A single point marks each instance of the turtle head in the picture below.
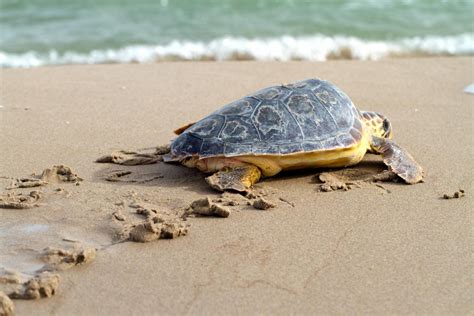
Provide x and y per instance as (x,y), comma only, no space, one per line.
(377,124)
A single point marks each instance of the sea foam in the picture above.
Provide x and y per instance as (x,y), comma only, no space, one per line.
(284,48)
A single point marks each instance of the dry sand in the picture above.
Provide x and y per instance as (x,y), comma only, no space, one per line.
(390,248)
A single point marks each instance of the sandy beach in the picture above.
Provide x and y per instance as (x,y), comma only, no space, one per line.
(378,249)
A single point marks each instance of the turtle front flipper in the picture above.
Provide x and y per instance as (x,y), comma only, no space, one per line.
(398,159)
(239,178)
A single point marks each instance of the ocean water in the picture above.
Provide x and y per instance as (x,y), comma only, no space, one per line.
(48,32)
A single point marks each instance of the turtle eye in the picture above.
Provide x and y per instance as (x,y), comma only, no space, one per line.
(387,127)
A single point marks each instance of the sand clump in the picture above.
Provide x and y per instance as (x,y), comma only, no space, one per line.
(173,230)
(144,232)
(15,200)
(333,182)
(346,179)
(456,195)
(217,207)
(151,230)
(59,173)
(7,308)
(42,285)
(258,200)
(148,213)
(262,204)
(59,259)
(168,225)
(155,226)
(206,207)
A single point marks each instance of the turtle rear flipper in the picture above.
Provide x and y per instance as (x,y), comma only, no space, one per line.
(398,160)
(238,179)
(180,130)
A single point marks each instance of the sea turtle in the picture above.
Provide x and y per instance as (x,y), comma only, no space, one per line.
(307,124)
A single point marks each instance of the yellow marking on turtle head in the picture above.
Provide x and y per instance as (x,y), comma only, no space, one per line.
(377,124)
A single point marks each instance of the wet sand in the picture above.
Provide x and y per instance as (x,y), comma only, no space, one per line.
(387,248)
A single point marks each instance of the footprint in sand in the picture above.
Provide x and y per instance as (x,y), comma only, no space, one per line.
(42,282)
(19,200)
(60,259)
(45,281)
(130,177)
(56,174)
(133,158)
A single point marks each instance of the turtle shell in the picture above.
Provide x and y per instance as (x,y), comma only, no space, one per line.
(307,116)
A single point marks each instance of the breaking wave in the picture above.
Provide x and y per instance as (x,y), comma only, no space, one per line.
(285,48)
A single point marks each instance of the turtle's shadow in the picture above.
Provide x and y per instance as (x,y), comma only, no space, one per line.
(154,175)
(371,164)
(175,175)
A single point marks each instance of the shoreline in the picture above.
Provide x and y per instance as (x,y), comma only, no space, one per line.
(316,48)
(341,56)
